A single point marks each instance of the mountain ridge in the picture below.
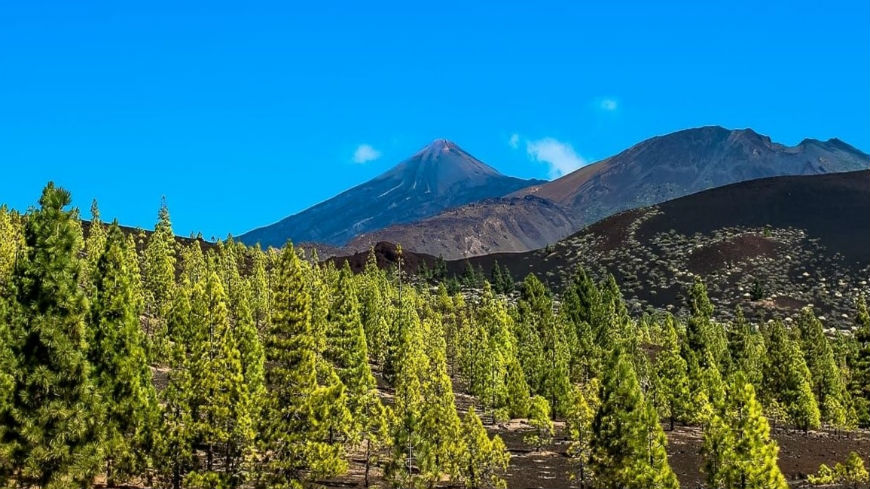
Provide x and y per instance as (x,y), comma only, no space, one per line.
(439,176)
(655,170)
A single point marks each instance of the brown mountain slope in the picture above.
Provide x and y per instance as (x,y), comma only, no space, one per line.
(801,239)
(653,171)
(494,225)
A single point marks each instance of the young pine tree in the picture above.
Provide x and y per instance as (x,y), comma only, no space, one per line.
(412,373)
(53,434)
(484,460)
(628,444)
(706,338)
(94,247)
(117,353)
(860,364)
(578,422)
(673,376)
(440,447)
(788,380)
(539,420)
(828,384)
(738,450)
(748,350)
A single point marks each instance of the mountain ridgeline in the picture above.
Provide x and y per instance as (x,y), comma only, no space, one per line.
(438,177)
(651,172)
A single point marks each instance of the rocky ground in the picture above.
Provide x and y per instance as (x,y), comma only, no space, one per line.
(550,468)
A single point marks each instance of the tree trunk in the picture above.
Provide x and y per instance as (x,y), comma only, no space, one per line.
(368,459)
(110,477)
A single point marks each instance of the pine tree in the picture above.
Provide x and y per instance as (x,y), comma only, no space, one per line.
(177,433)
(493,356)
(345,340)
(94,246)
(748,350)
(532,309)
(158,280)
(373,310)
(517,391)
(672,373)
(349,353)
(628,444)
(579,425)
(11,244)
(556,383)
(484,459)
(375,423)
(440,449)
(260,290)
(223,424)
(828,384)
(53,427)
(853,471)
(581,306)
(539,420)
(737,446)
(7,384)
(544,348)
(702,333)
(787,379)
(117,353)
(860,364)
(294,435)
(251,352)
(412,371)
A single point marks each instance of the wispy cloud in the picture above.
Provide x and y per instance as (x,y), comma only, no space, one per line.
(514,141)
(608,104)
(560,157)
(365,153)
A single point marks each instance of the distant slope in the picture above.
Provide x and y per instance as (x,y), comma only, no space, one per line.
(438,177)
(493,225)
(653,171)
(804,239)
(684,162)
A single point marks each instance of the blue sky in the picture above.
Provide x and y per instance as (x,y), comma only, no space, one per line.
(241,113)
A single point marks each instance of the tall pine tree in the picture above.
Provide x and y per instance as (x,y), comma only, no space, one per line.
(294,436)
(53,424)
(117,353)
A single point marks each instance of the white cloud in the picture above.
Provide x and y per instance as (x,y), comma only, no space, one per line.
(514,141)
(608,104)
(559,156)
(365,153)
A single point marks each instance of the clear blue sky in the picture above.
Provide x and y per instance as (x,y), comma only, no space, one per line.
(241,113)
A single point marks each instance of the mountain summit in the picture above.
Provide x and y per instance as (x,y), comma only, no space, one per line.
(439,176)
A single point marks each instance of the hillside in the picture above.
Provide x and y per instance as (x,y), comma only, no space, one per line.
(506,224)
(804,240)
(440,176)
(653,171)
